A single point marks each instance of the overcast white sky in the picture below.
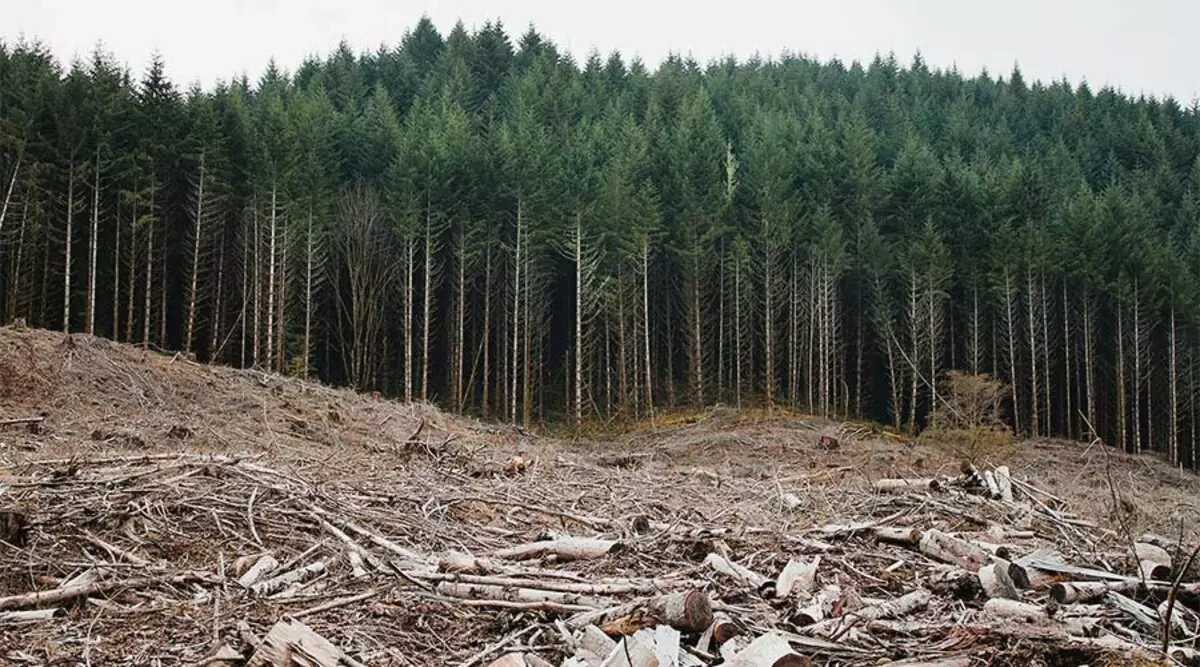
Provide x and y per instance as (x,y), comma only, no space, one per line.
(1139,46)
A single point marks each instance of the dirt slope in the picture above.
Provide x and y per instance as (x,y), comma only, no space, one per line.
(149,465)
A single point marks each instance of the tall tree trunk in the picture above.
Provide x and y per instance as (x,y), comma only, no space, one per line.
(8,193)
(1048,388)
(1137,368)
(271,259)
(66,318)
(308,292)
(1069,382)
(697,342)
(215,344)
(197,230)
(132,272)
(149,295)
(1173,416)
(1121,424)
(1031,293)
(409,303)
(737,316)
(459,339)
(527,394)
(516,322)
(428,302)
(578,320)
(914,332)
(769,316)
(257,356)
(1010,327)
(646,325)
(93,244)
(487,327)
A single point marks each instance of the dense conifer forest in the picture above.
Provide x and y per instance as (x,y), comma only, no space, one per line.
(510,233)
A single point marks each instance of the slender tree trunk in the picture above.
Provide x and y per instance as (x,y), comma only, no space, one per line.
(132,272)
(93,244)
(487,327)
(8,193)
(1137,368)
(148,296)
(243,316)
(271,257)
(721,368)
(737,315)
(1030,292)
(1011,335)
(66,320)
(914,329)
(769,317)
(116,284)
(793,382)
(409,304)
(309,249)
(622,358)
(697,342)
(428,303)
(162,294)
(18,273)
(461,341)
(516,324)
(646,325)
(527,396)
(1121,424)
(1173,417)
(257,356)
(1069,382)
(197,230)
(215,345)
(578,320)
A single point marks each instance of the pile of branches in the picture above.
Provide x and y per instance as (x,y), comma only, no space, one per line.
(223,560)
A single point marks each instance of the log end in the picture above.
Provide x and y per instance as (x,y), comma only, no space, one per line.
(13,526)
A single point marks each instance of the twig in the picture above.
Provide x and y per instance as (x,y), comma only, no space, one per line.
(334,604)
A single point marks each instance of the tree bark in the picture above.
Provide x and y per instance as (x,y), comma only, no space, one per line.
(66,317)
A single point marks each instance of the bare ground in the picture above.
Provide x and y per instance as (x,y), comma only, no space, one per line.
(190,468)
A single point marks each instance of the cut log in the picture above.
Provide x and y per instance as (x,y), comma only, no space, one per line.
(87,587)
(902,606)
(1004,481)
(952,581)
(906,485)
(937,662)
(949,549)
(571,548)
(265,565)
(724,629)
(1000,608)
(897,534)
(689,611)
(291,643)
(797,576)
(31,615)
(1145,616)
(278,583)
(514,594)
(996,582)
(1073,592)
(769,650)
(743,574)
(1154,563)
(817,607)
(520,660)
(993,487)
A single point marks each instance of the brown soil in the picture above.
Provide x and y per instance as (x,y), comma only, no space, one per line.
(430,482)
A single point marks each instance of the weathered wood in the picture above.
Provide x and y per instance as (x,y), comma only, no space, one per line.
(1004,481)
(769,650)
(817,607)
(797,577)
(729,568)
(1154,563)
(689,611)
(572,548)
(902,485)
(996,582)
(514,594)
(86,588)
(290,643)
(21,420)
(266,564)
(1073,592)
(898,534)
(282,581)
(13,524)
(952,581)
(1000,608)
(956,551)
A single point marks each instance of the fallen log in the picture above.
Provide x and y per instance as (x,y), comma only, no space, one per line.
(291,643)
(572,548)
(956,551)
(769,650)
(962,661)
(282,581)
(1004,609)
(31,615)
(816,608)
(583,588)
(502,593)
(996,582)
(520,660)
(1154,563)
(729,568)
(902,485)
(899,535)
(88,588)
(13,524)
(952,581)
(265,565)
(688,611)
(1073,592)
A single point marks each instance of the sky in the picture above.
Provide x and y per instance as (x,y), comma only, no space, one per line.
(1140,47)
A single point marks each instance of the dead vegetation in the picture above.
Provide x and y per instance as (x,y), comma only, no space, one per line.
(164,512)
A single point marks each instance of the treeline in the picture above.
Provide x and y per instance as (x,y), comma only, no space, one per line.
(512,234)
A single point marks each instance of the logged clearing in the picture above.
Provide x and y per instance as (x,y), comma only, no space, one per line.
(158,511)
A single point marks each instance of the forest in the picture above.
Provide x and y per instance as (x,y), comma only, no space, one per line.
(495,227)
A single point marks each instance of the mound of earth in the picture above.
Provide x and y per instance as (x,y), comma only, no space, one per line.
(158,511)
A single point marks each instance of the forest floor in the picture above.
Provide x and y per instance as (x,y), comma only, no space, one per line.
(158,481)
